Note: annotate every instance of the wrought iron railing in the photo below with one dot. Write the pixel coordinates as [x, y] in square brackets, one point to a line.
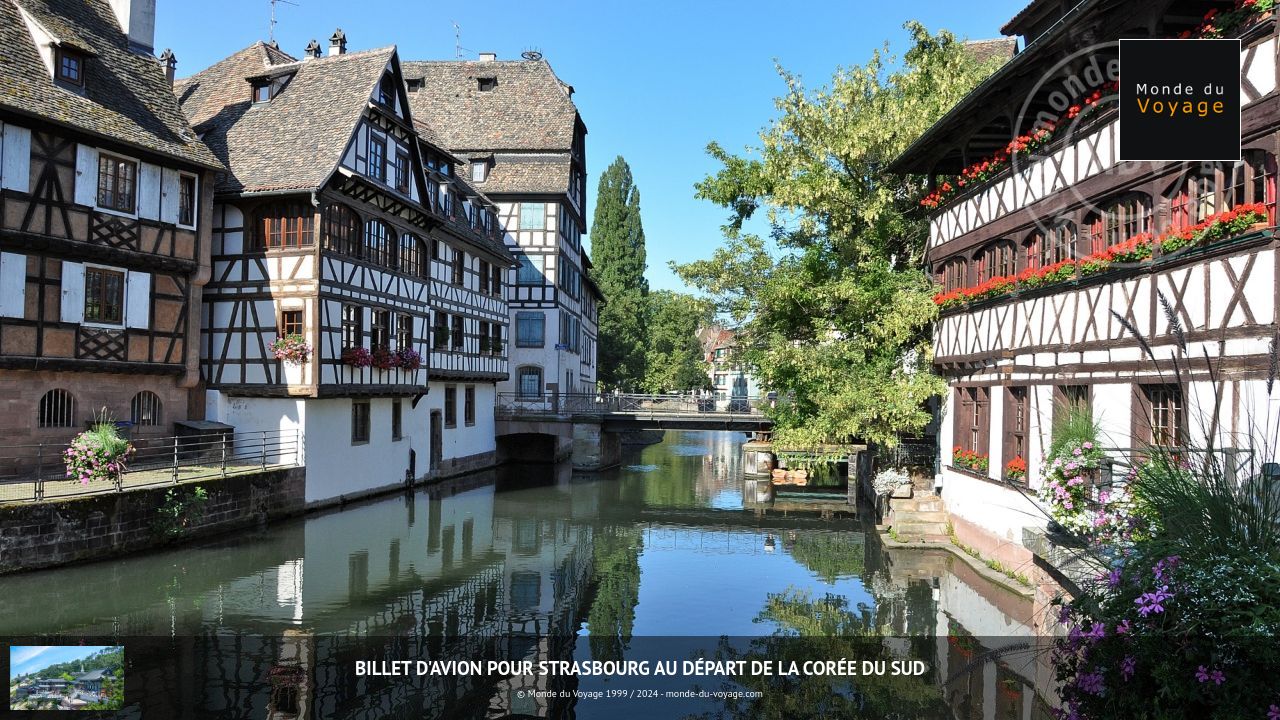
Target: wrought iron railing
[510, 403]
[36, 472]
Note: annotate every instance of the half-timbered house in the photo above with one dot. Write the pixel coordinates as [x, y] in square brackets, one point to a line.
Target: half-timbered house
[321, 248]
[515, 125]
[104, 223]
[1052, 266]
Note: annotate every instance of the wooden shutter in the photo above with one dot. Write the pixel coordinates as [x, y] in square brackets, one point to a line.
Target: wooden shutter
[72, 310]
[1180, 207]
[148, 190]
[15, 159]
[170, 197]
[137, 300]
[86, 175]
[13, 285]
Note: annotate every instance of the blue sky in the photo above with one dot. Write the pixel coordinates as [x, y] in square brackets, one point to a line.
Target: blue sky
[654, 81]
[30, 658]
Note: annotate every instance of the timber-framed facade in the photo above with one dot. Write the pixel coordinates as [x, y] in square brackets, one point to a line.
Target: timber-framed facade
[1054, 272]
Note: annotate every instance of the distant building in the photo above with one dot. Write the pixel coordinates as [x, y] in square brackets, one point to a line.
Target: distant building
[90, 681]
[733, 383]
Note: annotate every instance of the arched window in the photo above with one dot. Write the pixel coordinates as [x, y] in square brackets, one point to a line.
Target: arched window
[1253, 180]
[529, 381]
[285, 225]
[340, 229]
[1118, 220]
[57, 409]
[954, 274]
[1194, 198]
[1046, 247]
[144, 409]
[377, 243]
[996, 260]
[413, 255]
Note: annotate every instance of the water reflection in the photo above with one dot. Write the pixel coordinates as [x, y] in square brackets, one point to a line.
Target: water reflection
[538, 563]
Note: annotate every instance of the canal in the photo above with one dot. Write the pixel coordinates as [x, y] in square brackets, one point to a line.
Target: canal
[672, 557]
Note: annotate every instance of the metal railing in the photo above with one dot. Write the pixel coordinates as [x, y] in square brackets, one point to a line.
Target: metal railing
[36, 472]
[510, 404]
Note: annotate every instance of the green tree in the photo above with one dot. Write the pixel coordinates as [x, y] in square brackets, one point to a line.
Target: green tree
[618, 257]
[673, 358]
[834, 308]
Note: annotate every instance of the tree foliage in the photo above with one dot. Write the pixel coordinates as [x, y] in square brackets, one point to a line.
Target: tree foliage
[834, 307]
[673, 356]
[618, 256]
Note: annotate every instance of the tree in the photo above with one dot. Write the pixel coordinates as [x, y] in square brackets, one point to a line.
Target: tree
[618, 256]
[835, 319]
[673, 358]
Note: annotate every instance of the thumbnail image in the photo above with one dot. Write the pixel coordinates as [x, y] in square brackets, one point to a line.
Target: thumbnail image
[66, 677]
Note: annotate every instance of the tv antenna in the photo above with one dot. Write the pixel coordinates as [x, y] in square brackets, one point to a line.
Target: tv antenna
[271, 30]
[457, 40]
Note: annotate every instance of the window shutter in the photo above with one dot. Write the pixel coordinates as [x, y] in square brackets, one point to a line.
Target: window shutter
[86, 175]
[148, 191]
[137, 303]
[13, 285]
[72, 310]
[169, 197]
[1179, 211]
[1097, 234]
[15, 163]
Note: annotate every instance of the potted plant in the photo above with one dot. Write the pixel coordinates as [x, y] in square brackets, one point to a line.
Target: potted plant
[382, 359]
[291, 349]
[408, 359]
[357, 357]
[1016, 469]
[99, 453]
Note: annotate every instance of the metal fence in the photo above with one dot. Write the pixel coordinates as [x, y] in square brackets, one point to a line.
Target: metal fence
[38, 472]
[650, 404]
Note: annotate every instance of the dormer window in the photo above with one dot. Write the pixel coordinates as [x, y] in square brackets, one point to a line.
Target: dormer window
[479, 170]
[262, 92]
[69, 66]
[387, 91]
[486, 84]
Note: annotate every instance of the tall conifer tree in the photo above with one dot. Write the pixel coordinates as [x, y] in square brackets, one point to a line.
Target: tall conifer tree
[618, 256]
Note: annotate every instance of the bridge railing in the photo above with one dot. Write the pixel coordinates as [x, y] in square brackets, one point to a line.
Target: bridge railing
[512, 404]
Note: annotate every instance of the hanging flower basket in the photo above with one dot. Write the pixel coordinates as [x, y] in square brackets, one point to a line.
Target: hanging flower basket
[408, 359]
[383, 359]
[970, 459]
[99, 453]
[291, 349]
[357, 357]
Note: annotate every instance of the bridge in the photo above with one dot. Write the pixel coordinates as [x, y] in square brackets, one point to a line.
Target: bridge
[585, 427]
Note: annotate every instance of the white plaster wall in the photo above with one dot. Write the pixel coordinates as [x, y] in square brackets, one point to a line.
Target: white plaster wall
[1113, 411]
[461, 441]
[336, 467]
[279, 417]
[947, 427]
[995, 431]
[1001, 510]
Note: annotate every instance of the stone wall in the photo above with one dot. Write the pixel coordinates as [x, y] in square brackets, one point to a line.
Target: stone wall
[39, 535]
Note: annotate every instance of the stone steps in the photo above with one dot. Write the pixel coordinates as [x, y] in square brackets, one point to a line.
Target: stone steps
[921, 517]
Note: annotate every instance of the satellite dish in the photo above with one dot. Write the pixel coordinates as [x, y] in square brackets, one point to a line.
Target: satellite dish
[531, 55]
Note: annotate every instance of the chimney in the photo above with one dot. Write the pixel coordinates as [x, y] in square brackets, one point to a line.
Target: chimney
[338, 43]
[170, 64]
[488, 57]
[312, 51]
[137, 19]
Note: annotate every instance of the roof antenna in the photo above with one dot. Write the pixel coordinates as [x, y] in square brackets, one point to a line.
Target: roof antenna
[271, 30]
[457, 40]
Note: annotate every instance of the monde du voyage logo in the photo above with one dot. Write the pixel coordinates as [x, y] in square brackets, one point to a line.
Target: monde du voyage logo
[1180, 100]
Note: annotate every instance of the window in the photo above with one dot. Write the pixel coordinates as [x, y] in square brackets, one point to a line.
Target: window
[397, 420]
[57, 409]
[440, 331]
[722, 380]
[530, 329]
[971, 418]
[529, 382]
[387, 91]
[469, 405]
[570, 280]
[533, 216]
[1118, 221]
[187, 202]
[1253, 180]
[479, 170]
[340, 229]
[1047, 247]
[144, 409]
[413, 256]
[290, 322]
[495, 283]
[352, 326]
[359, 422]
[531, 270]
[456, 335]
[70, 66]
[450, 406]
[486, 84]
[1194, 199]
[103, 296]
[437, 250]
[377, 243]
[485, 277]
[570, 328]
[377, 158]
[1016, 423]
[996, 260]
[459, 266]
[262, 91]
[1165, 415]
[380, 330]
[402, 172]
[404, 331]
[954, 275]
[285, 225]
[117, 183]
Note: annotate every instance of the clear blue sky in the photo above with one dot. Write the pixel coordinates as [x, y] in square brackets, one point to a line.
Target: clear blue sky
[655, 81]
[25, 659]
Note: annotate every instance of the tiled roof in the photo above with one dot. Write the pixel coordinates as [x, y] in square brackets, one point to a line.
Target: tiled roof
[294, 141]
[126, 95]
[985, 50]
[529, 109]
[527, 173]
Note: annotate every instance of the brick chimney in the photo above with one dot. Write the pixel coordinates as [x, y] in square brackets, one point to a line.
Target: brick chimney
[312, 51]
[338, 43]
[137, 19]
[170, 65]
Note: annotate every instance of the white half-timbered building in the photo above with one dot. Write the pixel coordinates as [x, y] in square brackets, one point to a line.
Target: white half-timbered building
[322, 231]
[104, 224]
[524, 143]
[1016, 359]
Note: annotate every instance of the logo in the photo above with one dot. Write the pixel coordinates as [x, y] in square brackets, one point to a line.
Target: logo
[1180, 100]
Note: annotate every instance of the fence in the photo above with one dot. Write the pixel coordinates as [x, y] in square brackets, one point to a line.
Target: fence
[590, 404]
[37, 472]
